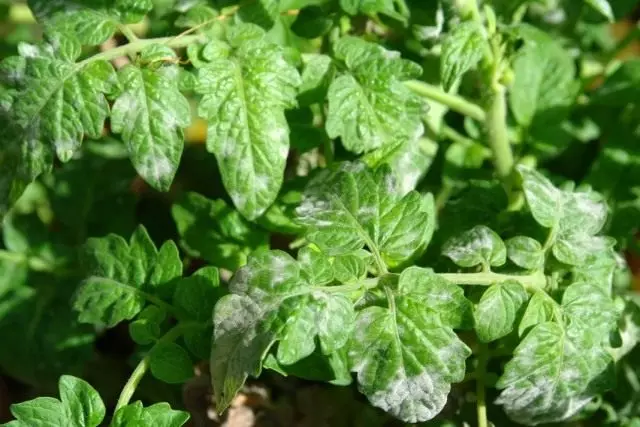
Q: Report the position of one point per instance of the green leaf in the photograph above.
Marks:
(120, 278)
(317, 74)
(409, 161)
(590, 309)
(80, 405)
(150, 114)
(571, 213)
(541, 309)
(405, 357)
(160, 414)
(61, 101)
(351, 267)
(244, 98)
(498, 309)
(462, 49)
(146, 328)
(552, 375)
(332, 368)
(197, 294)
(544, 88)
(315, 266)
(525, 252)
(445, 298)
(350, 207)
(578, 249)
(132, 11)
(273, 301)
(91, 26)
(170, 363)
(478, 246)
(372, 7)
(371, 113)
(561, 363)
(211, 230)
(603, 7)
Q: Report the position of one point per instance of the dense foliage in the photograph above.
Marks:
(432, 202)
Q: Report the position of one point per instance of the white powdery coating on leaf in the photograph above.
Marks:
(413, 399)
(352, 167)
(29, 50)
(461, 250)
(390, 184)
(311, 207)
(156, 167)
(280, 272)
(261, 182)
(65, 148)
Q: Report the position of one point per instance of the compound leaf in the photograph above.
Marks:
(273, 301)
(119, 283)
(405, 357)
(349, 207)
(549, 378)
(371, 113)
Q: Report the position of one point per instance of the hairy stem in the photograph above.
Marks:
(139, 45)
(496, 126)
(454, 102)
(142, 367)
(481, 405)
(128, 33)
(468, 10)
(530, 281)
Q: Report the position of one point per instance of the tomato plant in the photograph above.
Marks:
(429, 203)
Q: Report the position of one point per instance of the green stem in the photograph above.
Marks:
(481, 406)
(529, 281)
(454, 102)
(132, 383)
(142, 367)
(496, 125)
(139, 45)
(352, 287)
(128, 33)
(551, 238)
(468, 10)
(329, 151)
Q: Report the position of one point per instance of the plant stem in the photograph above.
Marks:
(128, 33)
(529, 281)
(496, 125)
(468, 10)
(454, 102)
(352, 287)
(481, 406)
(141, 369)
(132, 383)
(139, 45)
